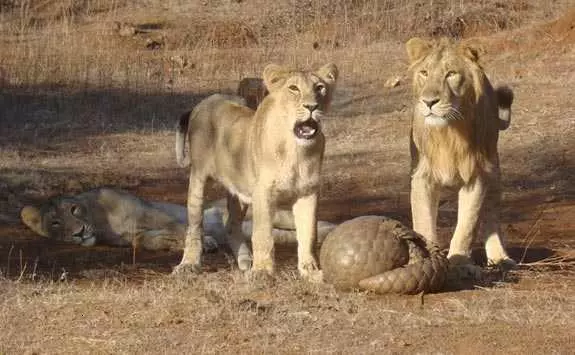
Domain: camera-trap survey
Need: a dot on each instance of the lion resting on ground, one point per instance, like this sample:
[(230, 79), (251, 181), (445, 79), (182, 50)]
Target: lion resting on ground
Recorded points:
[(454, 133), (268, 158), (114, 217)]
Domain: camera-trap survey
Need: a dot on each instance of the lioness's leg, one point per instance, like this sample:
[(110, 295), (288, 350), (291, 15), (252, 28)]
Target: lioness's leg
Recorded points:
[(424, 206), (236, 239), (192, 258), (471, 197), (305, 216), (262, 240), (490, 231)]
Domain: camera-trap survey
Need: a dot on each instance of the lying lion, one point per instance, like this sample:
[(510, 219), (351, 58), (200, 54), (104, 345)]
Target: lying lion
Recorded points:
[(116, 218)]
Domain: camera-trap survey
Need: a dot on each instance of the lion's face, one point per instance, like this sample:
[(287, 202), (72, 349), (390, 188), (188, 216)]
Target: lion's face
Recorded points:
[(304, 98), (443, 80), (63, 219)]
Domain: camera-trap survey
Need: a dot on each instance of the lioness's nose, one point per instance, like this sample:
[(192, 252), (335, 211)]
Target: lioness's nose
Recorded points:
[(430, 102), (311, 107)]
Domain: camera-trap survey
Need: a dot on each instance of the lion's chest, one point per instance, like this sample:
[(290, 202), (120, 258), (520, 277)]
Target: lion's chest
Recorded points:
[(294, 181)]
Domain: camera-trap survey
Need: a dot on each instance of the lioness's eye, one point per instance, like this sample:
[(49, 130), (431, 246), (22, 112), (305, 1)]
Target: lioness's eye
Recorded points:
[(293, 88), (55, 224), (450, 73), (75, 210), (423, 73), (320, 89)]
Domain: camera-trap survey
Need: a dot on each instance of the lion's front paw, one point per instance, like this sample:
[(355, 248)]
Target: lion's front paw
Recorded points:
[(186, 269), (462, 269)]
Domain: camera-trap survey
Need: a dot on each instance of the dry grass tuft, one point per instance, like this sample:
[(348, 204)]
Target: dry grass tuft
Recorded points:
[(86, 102)]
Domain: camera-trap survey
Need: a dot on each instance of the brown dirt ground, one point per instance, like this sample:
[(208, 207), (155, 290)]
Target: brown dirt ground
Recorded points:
[(66, 299)]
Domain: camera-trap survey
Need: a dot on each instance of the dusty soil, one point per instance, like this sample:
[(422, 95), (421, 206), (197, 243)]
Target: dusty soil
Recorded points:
[(62, 135)]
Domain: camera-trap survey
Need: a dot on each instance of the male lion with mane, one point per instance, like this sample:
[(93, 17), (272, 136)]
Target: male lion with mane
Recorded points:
[(454, 133), (269, 158)]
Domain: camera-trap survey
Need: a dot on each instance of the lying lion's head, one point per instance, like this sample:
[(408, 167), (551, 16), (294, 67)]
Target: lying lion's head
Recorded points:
[(302, 96), (447, 79), (63, 219)]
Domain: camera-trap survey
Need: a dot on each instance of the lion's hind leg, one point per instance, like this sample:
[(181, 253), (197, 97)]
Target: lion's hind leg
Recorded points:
[(236, 239), (194, 242), (490, 230)]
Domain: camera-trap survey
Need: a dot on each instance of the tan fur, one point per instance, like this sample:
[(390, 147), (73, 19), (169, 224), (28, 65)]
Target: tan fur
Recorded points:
[(253, 90), (454, 133), (117, 218), (108, 216), (260, 161)]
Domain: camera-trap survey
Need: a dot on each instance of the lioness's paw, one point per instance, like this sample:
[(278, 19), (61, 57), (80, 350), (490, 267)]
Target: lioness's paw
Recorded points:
[(186, 269), (310, 271)]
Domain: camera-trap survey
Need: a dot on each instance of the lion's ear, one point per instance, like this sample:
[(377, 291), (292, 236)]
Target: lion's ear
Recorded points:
[(417, 48), (275, 76), (471, 51), (32, 217), (328, 73)]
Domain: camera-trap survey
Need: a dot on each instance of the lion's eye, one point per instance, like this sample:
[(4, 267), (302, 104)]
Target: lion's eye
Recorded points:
[(56, 224), (293, 88), (423, 73), (450, 73), (75, 210)]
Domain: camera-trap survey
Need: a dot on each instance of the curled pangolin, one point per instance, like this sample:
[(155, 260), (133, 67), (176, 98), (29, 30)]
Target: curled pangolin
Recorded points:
[(381, 255)]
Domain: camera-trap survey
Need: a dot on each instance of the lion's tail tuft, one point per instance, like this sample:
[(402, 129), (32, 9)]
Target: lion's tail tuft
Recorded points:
[(504, 96)]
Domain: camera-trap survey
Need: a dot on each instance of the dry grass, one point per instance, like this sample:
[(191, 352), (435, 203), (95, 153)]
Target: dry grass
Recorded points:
[(221, 312), (83, 104)]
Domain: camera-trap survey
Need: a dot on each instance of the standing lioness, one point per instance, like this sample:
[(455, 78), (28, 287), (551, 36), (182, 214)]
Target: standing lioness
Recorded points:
[(268, 158)]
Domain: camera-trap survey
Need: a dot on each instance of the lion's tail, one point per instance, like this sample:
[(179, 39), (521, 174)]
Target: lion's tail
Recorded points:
[(427, 274), (181, 135), (504, 96)]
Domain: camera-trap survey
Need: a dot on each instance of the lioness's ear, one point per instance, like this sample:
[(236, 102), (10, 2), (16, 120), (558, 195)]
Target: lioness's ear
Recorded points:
[(32, 218), (328, 73), (417, 48), (275, 76)]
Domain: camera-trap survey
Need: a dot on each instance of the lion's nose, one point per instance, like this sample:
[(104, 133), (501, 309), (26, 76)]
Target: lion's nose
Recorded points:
[(430, 102), (311, 107)]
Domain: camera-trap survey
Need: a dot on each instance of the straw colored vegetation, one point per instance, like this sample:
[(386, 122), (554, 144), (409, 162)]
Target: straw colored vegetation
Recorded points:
[(91, 91)]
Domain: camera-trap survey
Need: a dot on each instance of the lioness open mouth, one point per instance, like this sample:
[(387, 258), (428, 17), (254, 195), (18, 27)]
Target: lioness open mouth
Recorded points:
[(307, 129)]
